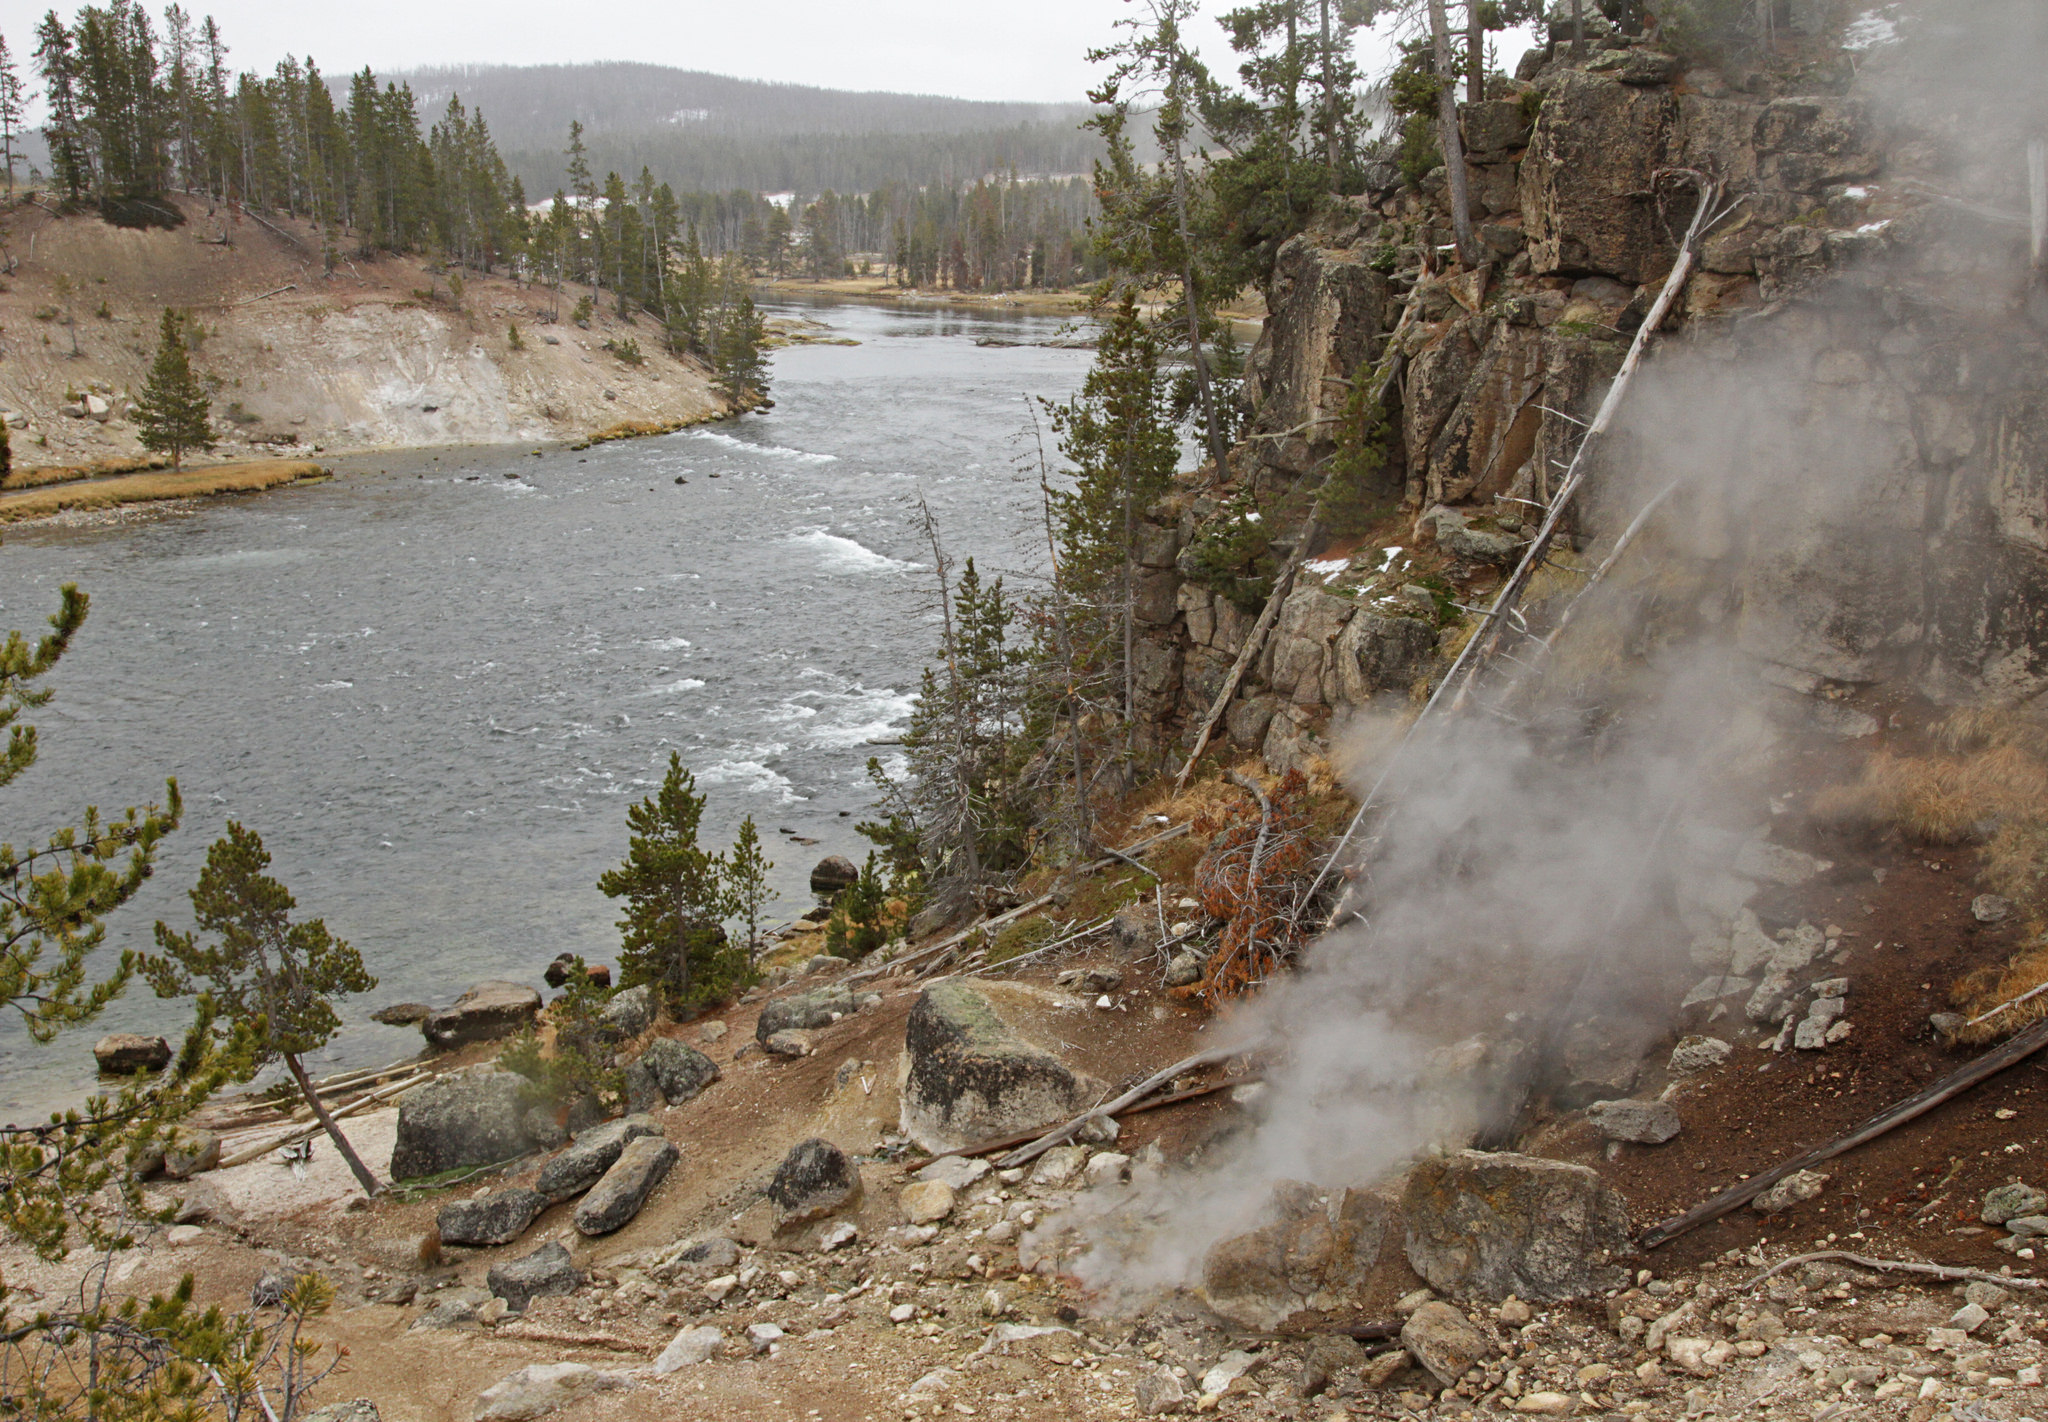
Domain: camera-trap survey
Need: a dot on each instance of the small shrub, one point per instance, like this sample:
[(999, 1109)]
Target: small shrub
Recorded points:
[(579, 1065), (1354, 497), (105, 312), (238, 413), (627, 350), (46, 313), (860, 918), (1233, 556), (583, 312), (513, 339)]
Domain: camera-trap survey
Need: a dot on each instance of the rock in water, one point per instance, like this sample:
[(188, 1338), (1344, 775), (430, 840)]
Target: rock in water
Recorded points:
[(470, 1117), (595, 1151), (668, 1071), (542, 1388), (687, 1349), (485, 1013), (971, 1077), (1445, 1342), (1642, 1122), (833, 873), (807, 1011), (124, 1053), (1318, 1250), (497, 1218), (402, 1014), (622, 1192), (548, 1270), (815, 1180), (1488, 1226)]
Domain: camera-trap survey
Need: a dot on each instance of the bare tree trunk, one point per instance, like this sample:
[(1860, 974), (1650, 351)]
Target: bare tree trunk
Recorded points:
[(1447, 136), (1475, 54), (2037, 185), (327, 1124), (1578, 29), (1213, 427), (1331, 152)]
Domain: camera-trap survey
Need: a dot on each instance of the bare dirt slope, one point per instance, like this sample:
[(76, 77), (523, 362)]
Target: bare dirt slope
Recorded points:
[(377, 353)]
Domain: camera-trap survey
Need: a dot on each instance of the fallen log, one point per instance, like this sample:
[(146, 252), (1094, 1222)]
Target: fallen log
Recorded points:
[(2016, 1050), (293, 1137), (1900, 1266), (1157, 1103), (1059, 1135)]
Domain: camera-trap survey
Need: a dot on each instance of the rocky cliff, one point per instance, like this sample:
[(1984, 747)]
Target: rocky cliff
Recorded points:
[(1841, 404)]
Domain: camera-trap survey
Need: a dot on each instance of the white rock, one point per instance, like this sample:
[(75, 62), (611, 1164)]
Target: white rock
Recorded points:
[(716, 1289), (1690, 1354), (902, 1313), (1795, 1188), (1229, 1368), (925, 1201), (1059, 1166), (687, 1349), (762, 1336), (183, 1234), (1970, 1317), (1554, 1404), (1108, 1168), (542, 1388), (958, 1171), (838, 1236)]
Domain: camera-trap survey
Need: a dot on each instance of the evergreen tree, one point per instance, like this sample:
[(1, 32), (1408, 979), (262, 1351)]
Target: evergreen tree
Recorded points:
[(263, 972), (747, 884), (738, 359), (675, 898), (171, 412), (13, 105), (859, 923)]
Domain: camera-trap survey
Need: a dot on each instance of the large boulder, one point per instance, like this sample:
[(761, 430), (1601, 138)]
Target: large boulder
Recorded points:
[(485, 1013), (833, 873), (630, 1012), (615, 1199), (541, 1388), (1587, 179), (548, 1270), (594, 1152), (1317, 1251), (124, 1053), (471, 1117), (1487, 1226), (807, 1011), (969, 1076), (815, 1180), (668, 1071), (496, 1218)]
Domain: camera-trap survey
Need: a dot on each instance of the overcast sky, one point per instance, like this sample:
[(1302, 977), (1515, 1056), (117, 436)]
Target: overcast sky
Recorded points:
[(978, 50)]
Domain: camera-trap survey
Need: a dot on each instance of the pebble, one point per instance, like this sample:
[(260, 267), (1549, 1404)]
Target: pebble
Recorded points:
[(903, 1313)]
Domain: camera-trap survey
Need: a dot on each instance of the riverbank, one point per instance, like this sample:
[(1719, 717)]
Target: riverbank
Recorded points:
[(49, 499), (377, 354), (884, 291)]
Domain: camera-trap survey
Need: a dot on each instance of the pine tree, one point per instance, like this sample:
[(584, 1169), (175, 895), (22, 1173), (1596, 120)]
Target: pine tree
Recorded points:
[(264, 973), (747, 884), (171, 412), (13, 105), (675, 897), (738, 359)]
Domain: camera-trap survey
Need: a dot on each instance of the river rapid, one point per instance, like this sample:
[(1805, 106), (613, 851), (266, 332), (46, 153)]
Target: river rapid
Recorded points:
[(435, 683)]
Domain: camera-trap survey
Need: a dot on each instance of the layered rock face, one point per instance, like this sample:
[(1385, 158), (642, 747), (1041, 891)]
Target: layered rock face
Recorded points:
[(1844, 389)]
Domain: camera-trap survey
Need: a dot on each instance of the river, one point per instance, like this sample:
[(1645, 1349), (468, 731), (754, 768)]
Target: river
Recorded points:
[(435, 683)]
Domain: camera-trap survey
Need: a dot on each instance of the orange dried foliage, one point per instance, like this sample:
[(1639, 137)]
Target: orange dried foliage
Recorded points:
[(1256, 902)]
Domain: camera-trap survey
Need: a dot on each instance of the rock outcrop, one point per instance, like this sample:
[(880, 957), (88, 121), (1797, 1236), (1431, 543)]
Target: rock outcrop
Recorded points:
[(1488, 1226), (485, 1013)]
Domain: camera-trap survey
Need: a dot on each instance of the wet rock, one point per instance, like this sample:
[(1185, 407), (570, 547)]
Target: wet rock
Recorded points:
[(1640, 1122), (833, 873), (925, 1201), (668, 1071), (496, 1218), (548, 1270), (1317, 1249), (1444, 1341), (619, 1196), (815, 1180), (2009, 1202), (790, 1042), (541, 1388), (402, 1014), (558, 972), (594, 1152), (485, 1013), (630, 1012), (125, 1053), (1796, 1188), (687, 1349), (189, 1151), (1489, 1226), (1698, 1054), (971, 1077), (806, 1011)]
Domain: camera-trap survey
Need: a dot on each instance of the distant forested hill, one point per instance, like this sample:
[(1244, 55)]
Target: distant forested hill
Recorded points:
[(707, 132)]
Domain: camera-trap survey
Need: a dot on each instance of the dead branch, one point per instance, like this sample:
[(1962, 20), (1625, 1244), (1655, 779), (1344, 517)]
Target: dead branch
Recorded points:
[(1265, 821), (1157, 1103), (279, 291), (1061, 1134), (1905, 1266), (355, 1107), (2016, 1050)]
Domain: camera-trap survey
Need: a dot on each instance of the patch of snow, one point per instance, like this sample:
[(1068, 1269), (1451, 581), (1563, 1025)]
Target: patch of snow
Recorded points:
[(1871, 30), (1327, 567)]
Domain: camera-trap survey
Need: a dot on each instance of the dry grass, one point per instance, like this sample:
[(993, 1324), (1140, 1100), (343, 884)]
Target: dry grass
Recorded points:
[(1989, 782), (145, 488), (19, 478)]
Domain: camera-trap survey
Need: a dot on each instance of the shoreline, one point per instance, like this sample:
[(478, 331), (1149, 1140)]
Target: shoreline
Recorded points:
[(874, 291)]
